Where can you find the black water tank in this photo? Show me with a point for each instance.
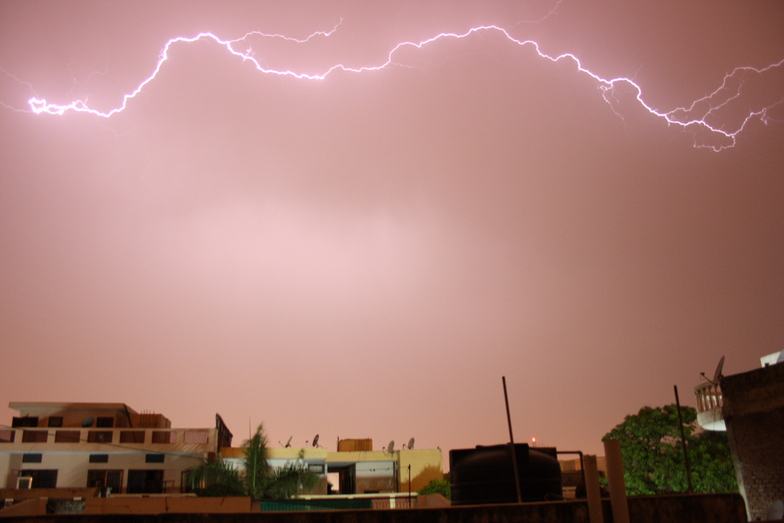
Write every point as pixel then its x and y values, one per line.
pixel 485 475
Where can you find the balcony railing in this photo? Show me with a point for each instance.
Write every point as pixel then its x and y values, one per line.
pixel 709 406
pixel 708 397
pixel 111 436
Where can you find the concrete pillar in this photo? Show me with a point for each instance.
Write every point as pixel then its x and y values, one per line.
pixel 620 507
pixel 591 475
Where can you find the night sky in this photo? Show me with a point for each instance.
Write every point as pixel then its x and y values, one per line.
pixel 366 254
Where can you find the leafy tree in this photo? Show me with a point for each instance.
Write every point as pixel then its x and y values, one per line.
pixel 653 459
pixel 288 481
pixel 215 478
pixel 257 468
pixel 437 486
pixel 259 480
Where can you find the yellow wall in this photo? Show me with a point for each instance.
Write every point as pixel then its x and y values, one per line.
pixel 426 465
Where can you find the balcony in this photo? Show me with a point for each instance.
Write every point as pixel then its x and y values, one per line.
pixel 709 405
pixel 189 440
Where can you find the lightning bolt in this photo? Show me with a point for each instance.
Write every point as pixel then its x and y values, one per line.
pixel 703 116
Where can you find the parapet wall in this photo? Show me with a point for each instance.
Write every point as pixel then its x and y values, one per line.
pixel 699 508
pixel 754 415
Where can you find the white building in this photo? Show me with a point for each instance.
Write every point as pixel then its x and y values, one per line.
pixel 57 445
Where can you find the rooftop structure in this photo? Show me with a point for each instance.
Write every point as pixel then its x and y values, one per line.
pixel 750 407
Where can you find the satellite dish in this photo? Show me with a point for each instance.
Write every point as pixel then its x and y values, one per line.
pixel 88 421
pixel 719 367
pixel 288 443
pixel 315 441
pixel 391 446
pixel 411 444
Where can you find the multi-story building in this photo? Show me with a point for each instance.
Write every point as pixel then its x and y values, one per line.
pixel 108 445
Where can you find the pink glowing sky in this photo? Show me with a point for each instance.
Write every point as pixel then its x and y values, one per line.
pixel 366 255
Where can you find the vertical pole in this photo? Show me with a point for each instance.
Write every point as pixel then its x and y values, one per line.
pixel 683 441
pixel 512 445
pixel 620 507
pixel 409 485
pixel 591 478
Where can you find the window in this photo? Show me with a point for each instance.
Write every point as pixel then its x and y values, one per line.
pixel 316 469
pixel 163 436
pixel 99 458
pixel 105 478
pixel 145 481
pixel 105 422
pixel 34 436
pixel 41 478
pixel 67 436
pixel 154 458
pixel 25 421
pixel 99 436
pixel 55 421
pixel 32 458
pixel 7 436
pixel 132 436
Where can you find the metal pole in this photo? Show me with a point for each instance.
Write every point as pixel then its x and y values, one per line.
pixel 409 485
pixel 683 440
pixel 512 445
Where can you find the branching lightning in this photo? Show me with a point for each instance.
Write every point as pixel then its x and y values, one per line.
pixel 701 115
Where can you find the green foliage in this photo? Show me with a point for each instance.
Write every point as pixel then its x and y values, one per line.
pixel 257 467
pixel 437 486
pixel 215 478
pixel 288 481
pixel 259 481
pixel 653 459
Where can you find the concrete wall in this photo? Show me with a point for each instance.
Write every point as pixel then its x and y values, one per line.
pixel 163 505
pixel 426 465
pixel 754 415
pixel 719 508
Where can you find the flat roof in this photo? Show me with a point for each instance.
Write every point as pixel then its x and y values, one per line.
pixel 32 405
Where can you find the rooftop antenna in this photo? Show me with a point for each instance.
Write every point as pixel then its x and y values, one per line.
pixel 315 441
pixel 717 374
pixel 410 445
pixel 288 443
pixel 391 446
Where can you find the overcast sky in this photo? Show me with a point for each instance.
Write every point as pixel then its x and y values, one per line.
pixel 367 254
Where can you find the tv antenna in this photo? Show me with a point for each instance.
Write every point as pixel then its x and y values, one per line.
pixel 717 373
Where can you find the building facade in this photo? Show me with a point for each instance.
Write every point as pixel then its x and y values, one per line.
pixel 354 469
pixel 750 407
pixel 103 445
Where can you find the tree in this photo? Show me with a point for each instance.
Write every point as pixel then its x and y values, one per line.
pixel 653 459
pixel 256 461
pixel 437 486
pixel 259 480
pixel 215 479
